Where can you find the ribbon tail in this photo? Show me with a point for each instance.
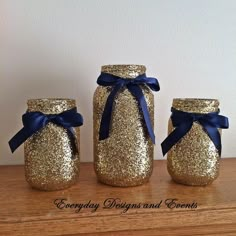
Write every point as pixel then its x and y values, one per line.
pixel 19 138
pixel 175 136
pixel 74 144
pixel 107 113
pixel 136 91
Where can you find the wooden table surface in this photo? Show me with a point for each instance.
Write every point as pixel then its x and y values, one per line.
pixel 25 211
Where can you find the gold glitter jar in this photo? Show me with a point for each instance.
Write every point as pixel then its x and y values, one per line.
pixel 194 160
pixel 125 158
pixel 50 161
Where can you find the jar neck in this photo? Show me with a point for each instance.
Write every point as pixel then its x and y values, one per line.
pixel 196 105
pixel 124 71
pixel 50 105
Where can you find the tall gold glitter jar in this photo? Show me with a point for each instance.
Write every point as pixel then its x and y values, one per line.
pixel 50 161
pixel 194 160
pixel 126 157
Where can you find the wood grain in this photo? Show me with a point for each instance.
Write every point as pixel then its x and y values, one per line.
pixel 26 211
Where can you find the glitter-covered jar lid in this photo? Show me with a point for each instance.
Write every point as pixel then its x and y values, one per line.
pixel 124 71
pixel 196 105
pixel 51 105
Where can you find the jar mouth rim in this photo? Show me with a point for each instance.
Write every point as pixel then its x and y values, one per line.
pixel 50 99
pixel 196 99
pixel 196 105
pixel 121 65
pixel 51 105
pixel 129 71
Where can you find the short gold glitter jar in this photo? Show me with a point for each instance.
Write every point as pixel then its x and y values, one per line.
pixel 126 157
pixel 194 160
pixel 50 161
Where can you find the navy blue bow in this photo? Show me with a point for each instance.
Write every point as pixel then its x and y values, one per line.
pixel 132 85
pixel 35 121
pixel 183 121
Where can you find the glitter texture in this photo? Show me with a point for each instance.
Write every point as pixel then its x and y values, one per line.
pixel 194 160
pixel 126 157
pixel 50 163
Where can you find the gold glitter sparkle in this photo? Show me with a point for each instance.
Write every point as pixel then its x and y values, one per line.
pixel 194 160
pixel 126 157
pixel 50 163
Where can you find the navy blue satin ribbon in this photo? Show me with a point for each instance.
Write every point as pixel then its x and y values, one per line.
pixel 132 85
pixel 183 121
pixel 35 121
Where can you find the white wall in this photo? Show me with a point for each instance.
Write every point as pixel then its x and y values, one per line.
pixel 55 48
